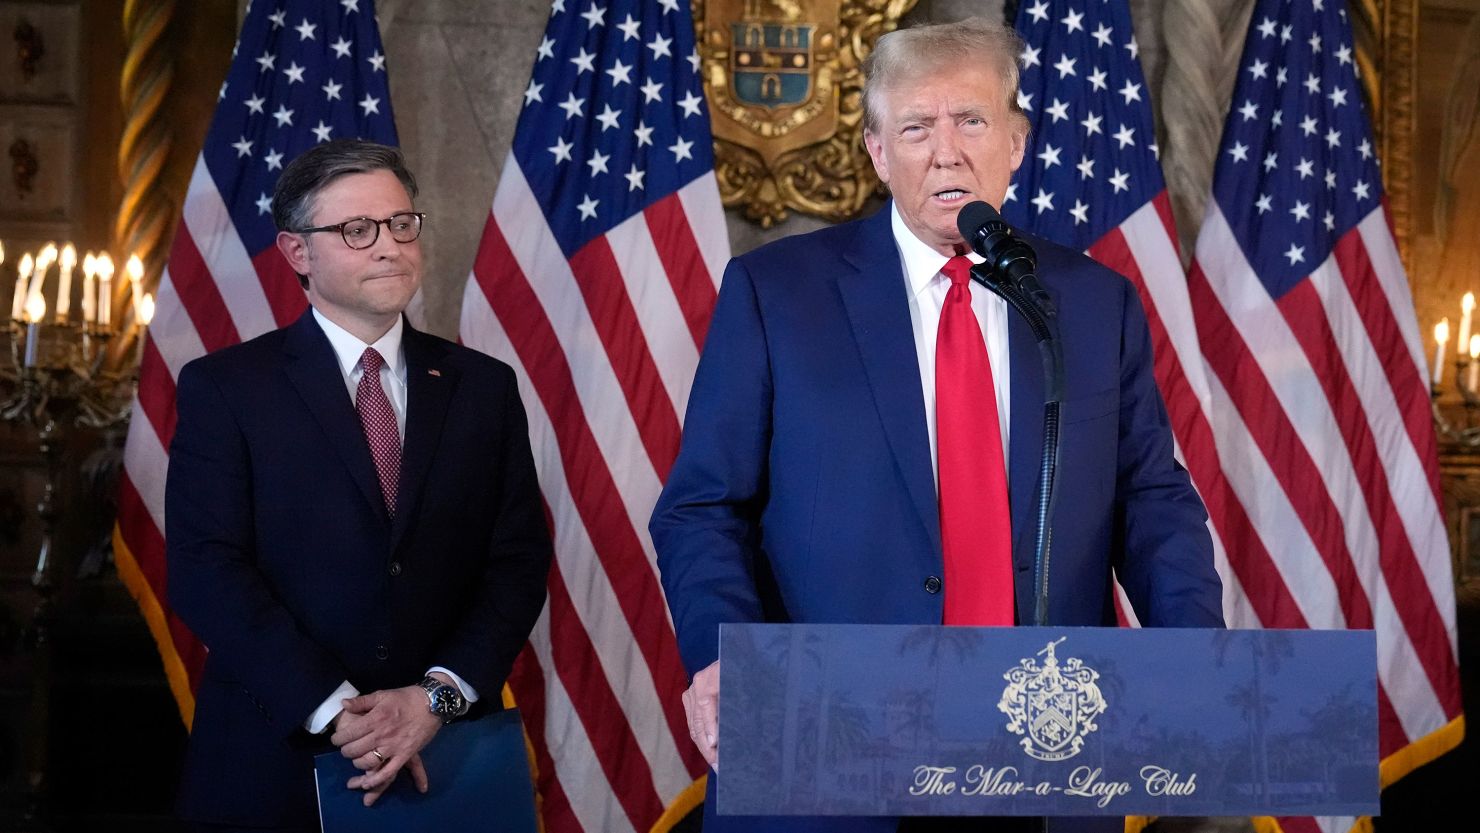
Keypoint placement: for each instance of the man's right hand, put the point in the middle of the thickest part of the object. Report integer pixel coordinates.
(701, 707)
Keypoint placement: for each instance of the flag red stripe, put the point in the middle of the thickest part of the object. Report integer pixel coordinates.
(199, 294)
(599, 710)
(682, 263)
(1228, 356)
(156, 392)
(596, 498)
(1255, 569)
(1390, 734)
(280, 285)
(1302, 309)
(600, 281)
(527, 682)
(146, 543)
(1410, 389)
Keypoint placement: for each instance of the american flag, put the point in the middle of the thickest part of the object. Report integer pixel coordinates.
(1318, 382)
(598, 269)
(302, 72)
(1092, 181)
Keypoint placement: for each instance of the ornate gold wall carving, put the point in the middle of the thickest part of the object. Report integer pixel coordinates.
(146, 215)
(1386, 32)
(778, 149)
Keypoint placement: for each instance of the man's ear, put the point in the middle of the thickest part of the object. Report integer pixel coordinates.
(295, 250)
(875, 149)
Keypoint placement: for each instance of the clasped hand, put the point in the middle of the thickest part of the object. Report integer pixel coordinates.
(394, 723)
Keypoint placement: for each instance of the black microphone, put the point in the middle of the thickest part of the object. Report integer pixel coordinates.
(1009, 257)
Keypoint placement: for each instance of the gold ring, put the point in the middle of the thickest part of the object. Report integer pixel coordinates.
(376, 753)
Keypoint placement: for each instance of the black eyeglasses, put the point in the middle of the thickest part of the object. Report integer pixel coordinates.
(362, 232)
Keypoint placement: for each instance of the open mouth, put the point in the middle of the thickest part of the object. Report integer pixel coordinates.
(951, 195)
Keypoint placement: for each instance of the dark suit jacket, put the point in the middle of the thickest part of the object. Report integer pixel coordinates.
(284, 561)
(803, 490)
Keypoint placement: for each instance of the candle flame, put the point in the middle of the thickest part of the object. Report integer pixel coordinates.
(1475, 347)
(89, 264)
(134, 268)
(146, 313)
(104, 265)
(1467, 303)
(27, 264)
(69, 257)
(2, 252)
(35, 309)
(1441, 331)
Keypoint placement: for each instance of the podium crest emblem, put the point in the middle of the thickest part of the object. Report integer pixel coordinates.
(1052, 705)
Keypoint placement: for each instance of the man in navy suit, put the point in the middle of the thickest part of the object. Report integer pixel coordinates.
(864, 432)
(353, 522)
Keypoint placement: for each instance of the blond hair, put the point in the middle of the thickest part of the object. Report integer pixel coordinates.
(906, 54)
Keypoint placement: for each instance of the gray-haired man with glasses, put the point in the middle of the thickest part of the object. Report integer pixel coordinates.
(353, 524)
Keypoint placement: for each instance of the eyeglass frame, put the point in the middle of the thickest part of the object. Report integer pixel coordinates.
(421, 218)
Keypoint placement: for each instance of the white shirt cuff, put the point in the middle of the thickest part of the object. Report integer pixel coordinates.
(468, 692)
(330, 708)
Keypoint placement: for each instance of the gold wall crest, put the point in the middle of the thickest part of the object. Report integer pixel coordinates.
(785, 92)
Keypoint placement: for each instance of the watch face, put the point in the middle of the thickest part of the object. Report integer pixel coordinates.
(446, 701)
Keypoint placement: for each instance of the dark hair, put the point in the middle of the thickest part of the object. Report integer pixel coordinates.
(311, 171)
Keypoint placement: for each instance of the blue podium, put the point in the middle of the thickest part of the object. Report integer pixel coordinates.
(903, 720)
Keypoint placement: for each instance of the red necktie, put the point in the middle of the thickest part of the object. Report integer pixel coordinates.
(975, 523)
(379, 421)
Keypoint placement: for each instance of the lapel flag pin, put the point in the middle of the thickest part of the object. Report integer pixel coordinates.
(434, 371)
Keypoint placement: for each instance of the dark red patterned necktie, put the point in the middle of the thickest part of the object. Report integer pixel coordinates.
(379, 421)
(975, 522)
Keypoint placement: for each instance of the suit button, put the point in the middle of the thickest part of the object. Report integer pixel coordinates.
(381, 652)
(395, 568)
(932, 585)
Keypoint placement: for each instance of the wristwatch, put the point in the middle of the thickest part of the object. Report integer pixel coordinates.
(444, 701)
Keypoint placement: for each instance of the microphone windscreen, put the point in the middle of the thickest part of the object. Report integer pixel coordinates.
(973, 216)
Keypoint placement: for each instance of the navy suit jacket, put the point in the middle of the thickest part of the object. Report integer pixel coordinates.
(804, 492)
(283, 559)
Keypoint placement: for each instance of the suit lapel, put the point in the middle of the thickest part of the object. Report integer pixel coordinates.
(314, 371)
(430, 382)
(878, 311)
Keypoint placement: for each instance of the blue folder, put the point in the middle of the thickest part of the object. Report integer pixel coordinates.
(479, 781)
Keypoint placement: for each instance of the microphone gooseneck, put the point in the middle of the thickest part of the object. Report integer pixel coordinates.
(1010, 271)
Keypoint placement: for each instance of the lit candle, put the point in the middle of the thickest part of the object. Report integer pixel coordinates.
(1466, 306)
(135, 271)
(44, 260)
(105, 290)
(64, 283)
(144, 313)
(23, 273)
(1474, 361)
(35, 311)
(89, 303)
(1441, 336)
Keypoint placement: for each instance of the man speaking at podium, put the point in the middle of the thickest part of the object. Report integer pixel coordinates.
(863, 438)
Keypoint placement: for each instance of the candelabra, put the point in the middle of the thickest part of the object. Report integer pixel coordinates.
(1465, 431)
(58, 380)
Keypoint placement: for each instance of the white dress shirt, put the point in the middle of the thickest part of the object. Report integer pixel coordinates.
(927, 286)
(348, 349)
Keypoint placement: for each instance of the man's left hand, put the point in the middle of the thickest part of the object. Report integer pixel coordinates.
(395, 723)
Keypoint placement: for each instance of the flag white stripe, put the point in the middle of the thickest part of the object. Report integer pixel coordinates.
(172, 331)
(616, 433)
(206, 216)
(146, 461)
(596, 603)
(658, 313)
(1382, 251)
(1151, 245)
(591, 797)
(1400, 460)
(1274, 519)
(702, 205)
(1286, 369)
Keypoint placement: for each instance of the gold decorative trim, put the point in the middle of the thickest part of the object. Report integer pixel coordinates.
(1386, 32)
(145, 215)
(804, 155)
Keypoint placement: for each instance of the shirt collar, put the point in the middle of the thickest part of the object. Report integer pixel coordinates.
(348, 348)
(921, 262)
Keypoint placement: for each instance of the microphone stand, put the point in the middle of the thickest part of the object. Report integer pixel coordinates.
(1037, 311)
